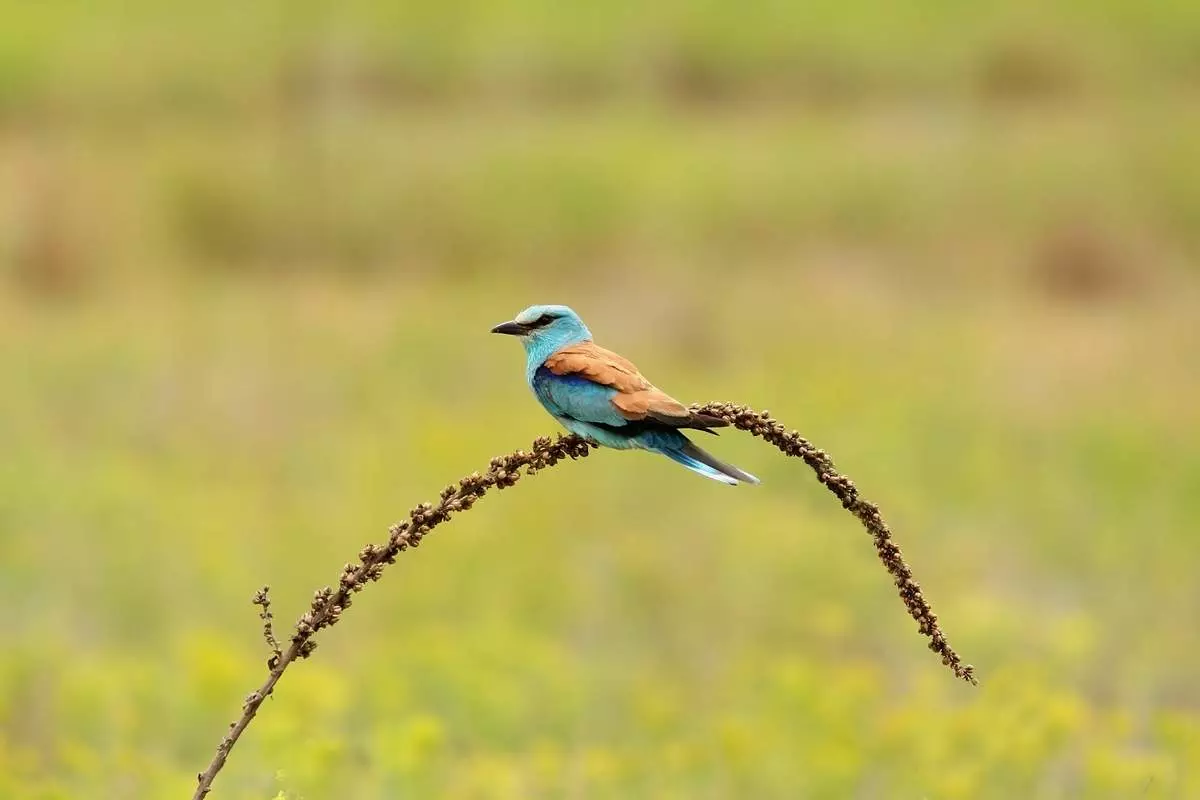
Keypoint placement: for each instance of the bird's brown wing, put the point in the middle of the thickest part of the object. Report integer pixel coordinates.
(636, 398)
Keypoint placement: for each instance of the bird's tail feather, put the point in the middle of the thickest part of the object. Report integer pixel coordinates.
(699, 461)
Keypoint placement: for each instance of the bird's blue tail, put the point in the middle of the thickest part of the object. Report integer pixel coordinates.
(695, 459)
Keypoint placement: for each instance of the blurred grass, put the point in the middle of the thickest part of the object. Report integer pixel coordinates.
(248, 256)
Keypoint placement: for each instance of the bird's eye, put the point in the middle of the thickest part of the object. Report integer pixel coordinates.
(543, 320)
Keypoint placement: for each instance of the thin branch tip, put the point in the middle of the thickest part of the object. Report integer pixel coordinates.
(262, 599)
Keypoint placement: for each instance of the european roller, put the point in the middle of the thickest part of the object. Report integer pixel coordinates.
(602, 397)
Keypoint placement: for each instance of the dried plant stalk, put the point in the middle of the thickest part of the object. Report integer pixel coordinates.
(329, 603)
(791, 443)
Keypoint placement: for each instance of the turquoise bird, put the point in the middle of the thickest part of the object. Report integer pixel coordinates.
(602, 397)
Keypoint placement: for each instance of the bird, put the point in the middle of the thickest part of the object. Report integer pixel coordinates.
(602, 397)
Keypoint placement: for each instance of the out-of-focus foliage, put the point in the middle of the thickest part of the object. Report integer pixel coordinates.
(248, 258)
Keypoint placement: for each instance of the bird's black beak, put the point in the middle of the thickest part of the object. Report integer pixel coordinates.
(511, 329)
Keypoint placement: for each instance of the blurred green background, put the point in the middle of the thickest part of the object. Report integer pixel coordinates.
(249, 255)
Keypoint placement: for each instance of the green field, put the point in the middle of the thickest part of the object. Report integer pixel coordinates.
(249, 257)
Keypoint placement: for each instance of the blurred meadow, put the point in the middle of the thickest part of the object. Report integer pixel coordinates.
(249, 256)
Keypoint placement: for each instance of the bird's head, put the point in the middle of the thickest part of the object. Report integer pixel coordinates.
(546, 328)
